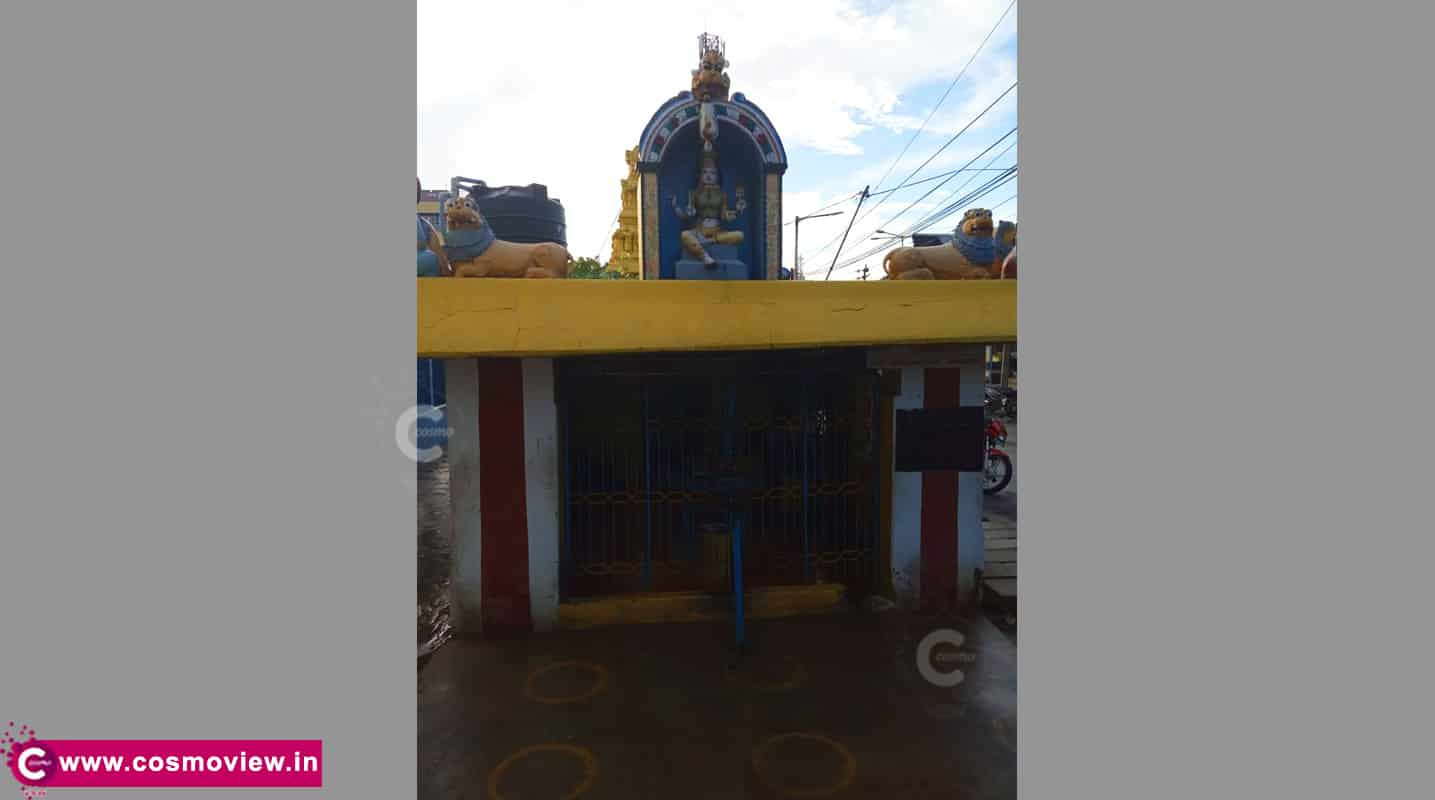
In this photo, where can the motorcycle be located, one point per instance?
(998, 471)
(1000, 402)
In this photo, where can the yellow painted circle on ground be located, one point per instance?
(590, 767)
(600, 682)
(797, 678)
(849, 765)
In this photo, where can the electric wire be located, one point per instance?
(943, 99)
(971, 197)
(920, 167)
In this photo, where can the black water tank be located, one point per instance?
(522, 213)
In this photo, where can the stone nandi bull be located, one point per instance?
(470, 249)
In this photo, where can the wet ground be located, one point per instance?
(831, 706)
(435, 547)
(999, 522)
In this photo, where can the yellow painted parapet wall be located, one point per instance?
(499, 317)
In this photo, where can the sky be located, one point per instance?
(552, 92)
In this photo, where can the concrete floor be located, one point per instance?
(999, 524)
(829, 706)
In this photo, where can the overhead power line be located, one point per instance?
(1008, 175)
(936, 177)
(1004, 202)
(887, 225)
(824, 208)
(947, 144)
(967, 200)
(598, 253)
(969, 180)
(942, 204)
(955, 136)
(849, 230)
(914, 203)
(971, 197)
(943, 99)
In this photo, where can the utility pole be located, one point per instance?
(843, 243)
(864, 273)
(797, 241)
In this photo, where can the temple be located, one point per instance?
(709, 441)
(710, 170)
(624, 256)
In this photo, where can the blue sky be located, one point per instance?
(817, 177)
(845, 83)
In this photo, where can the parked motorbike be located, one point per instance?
(1000, 402)
(999, 469)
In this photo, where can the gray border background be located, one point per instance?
(209, 528)
(207, 322)
(1224, 565)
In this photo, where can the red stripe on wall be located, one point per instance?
(942, 389)
(502, 498)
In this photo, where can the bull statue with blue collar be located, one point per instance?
(977, 252)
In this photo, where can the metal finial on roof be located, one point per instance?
(710, 43)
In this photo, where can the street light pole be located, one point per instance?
(900, 237)
(797, 240)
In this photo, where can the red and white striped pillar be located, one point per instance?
(503, 486)
(936, 524)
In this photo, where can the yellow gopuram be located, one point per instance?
(624, 257)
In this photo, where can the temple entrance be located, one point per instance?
(641, 438)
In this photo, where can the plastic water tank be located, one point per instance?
(522, 213)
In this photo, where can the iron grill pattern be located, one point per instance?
(637, 436)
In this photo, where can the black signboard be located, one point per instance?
(930, 439)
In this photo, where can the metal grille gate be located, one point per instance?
(637, 431)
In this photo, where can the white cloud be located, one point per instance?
(554, 92)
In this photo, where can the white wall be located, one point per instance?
(907, 503)
(971, 541)
(540, 445)
(466, 517)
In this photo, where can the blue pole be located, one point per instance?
(737, 575)
(566, 443)
(875, 443)
(647, 496)
(802, 442)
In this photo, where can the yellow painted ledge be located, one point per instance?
(645, 609)
(478, 317)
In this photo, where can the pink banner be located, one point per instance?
(155, 763)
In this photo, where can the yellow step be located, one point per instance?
(659, 607)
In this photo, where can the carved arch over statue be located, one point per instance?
(738, 113)
(751, 153)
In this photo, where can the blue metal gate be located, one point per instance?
(639, 432)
